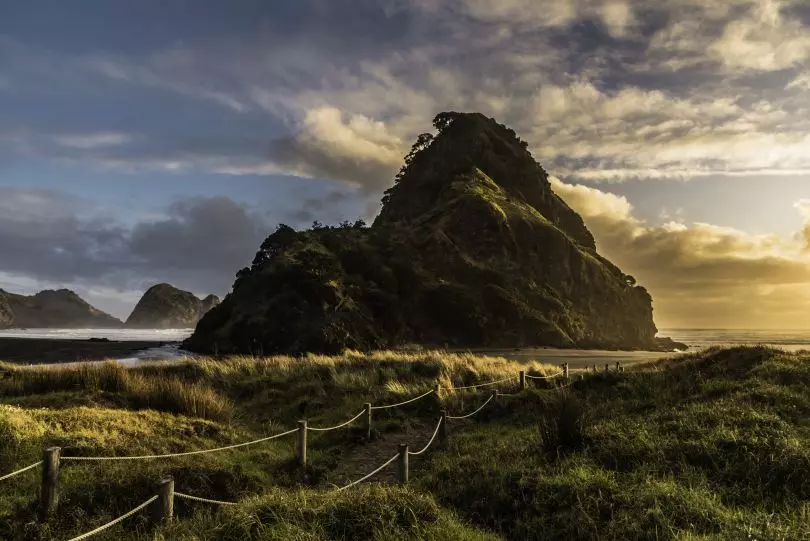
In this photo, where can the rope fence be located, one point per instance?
(350, 421)
(490, 399)
(404, 403)
(504, 380)
(552, 376)
(22, 470)
(173, 455)
(114, 521)
(370, 475)
(165, 498)
(432, 438)
(204, 500)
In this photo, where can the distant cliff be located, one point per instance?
(472, 248)
(51, 309)
(166, 307)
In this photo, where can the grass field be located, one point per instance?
(709, 446)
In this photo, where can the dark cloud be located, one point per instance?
(52, 237)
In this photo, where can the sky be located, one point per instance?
(152, 141)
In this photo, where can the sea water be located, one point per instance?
(127, 335)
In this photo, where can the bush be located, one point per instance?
(562, 430)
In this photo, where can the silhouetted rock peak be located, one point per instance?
(472, 248)
(163, 306)
(51, 309)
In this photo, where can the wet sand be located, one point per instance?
(48, 351)
(579, 359)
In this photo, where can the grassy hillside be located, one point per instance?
(713, 446)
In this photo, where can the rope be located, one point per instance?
(476, 411)
(116, 521)
(433, 437)
(481, 384)
(170, 455)
(25, 469)
(527, 376)
(350, 421)
(375, 472)
(205, 500)
(402, 403)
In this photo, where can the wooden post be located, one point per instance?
(403, 464)
(163, 508)
(494, 395)
(49, 494)
(618, 366)
(522, 380)
(367, 410)
(565, 370)
(594, 369)
(607, 367)
(443, 428)
(302, 444)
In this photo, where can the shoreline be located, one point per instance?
(66, 350)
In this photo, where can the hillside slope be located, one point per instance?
(472, 248)
(51, 309)
(711, 446)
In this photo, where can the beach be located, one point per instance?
(50, 350)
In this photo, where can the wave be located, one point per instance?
(124, 335)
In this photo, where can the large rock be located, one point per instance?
(472, 248)
(51, 309)
(165, 307)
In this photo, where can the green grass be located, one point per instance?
(711, 446)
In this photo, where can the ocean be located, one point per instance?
(699, 339)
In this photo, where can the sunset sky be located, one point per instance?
(163, 140)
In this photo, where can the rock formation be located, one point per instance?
(472, 248)
(165, 307)
(51, 309)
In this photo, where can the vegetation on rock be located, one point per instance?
(472, 248)
(166, 307)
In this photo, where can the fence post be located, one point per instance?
(49, 494)
(618, 366)
(403, 464)
(522, 380)
(443, 428)
(367, 410)
(302, 444)
(494, 395)
(565, 370)
(163, 508)
(607, 367)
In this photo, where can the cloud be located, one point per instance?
(173, 71)
(602, 89)
(763, 40)
(701, 275)
(803, 207)
(353, 149)
(87, 141)
(54, 239)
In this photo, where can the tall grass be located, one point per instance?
(711, 446)
(135, 389)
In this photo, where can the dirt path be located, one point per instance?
(366, 458)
